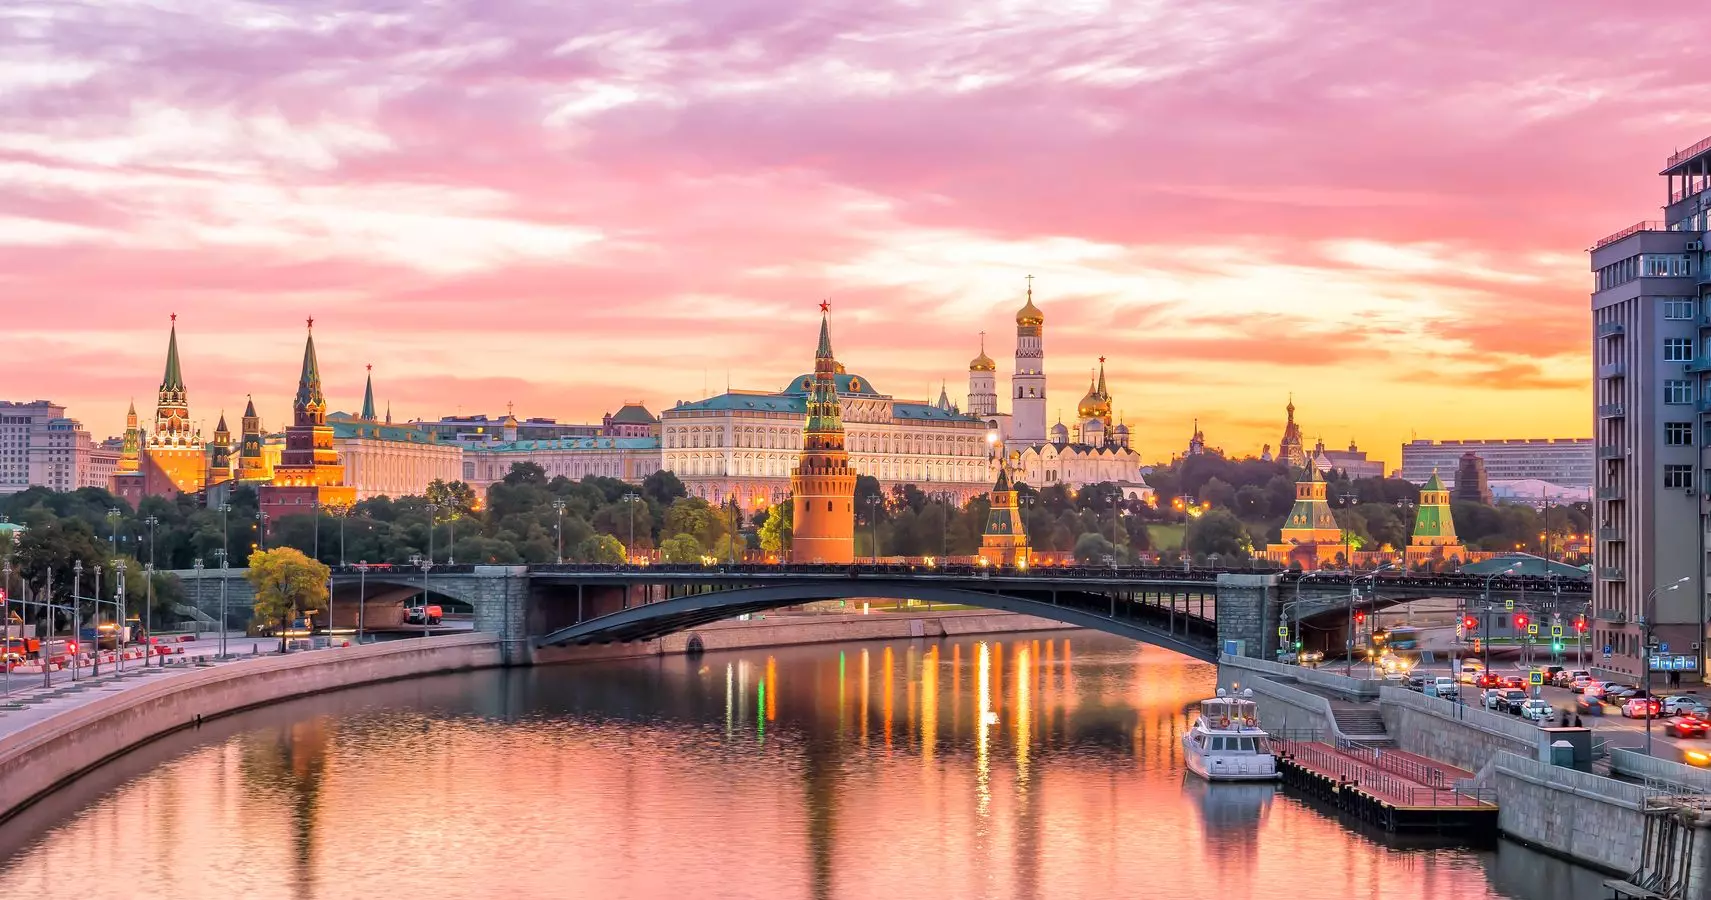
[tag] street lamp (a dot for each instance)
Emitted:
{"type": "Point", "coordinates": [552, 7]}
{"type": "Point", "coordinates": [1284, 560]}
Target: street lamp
{"type": "Point", "coordinates": [872, 502]}
{"type": "Point", "coordinates": [1485, 654]}
{"type": "Point", "coordinates": [225, 575]}
{"type": "Point", "coordinates": [261, 529]}
{"type": "Point", "coordinates": [361, 596]}
{"type": "Point", "coordinates": [1647, 616]}
{"type": "Point", "coordinates": [630, 499]}
{"type": "Point", "coordinates": [426, 564]}
{"type": "Point", "coordinates": [114, 515]}
{"type": "Point", "coordinates": [148, 602]}
{"type": "Point", "coordinates": [1349, 660]}
{"type": "Point", "coordinates": [76, 614]}
{"type": "Point", "coordinates": [118, 615]}
{"type": "Point", "coordinates": [95, 666]}
{"type": "Point", "coordinates": [558, 507]}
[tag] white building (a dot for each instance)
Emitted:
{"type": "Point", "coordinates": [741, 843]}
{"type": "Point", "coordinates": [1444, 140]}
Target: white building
{"type": "Point", "coordinates": [1564, 461]}
{"type": "Point", "coordinates": [630, 459]}
{"type": "Point", "coordinates": [40, 446]}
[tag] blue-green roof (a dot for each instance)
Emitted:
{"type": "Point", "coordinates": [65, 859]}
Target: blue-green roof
{"type": "Point", "coordinates": [1529, 565]}
{"type": "Point", "coordinates": [798, 405]}
{"type": "Point", "coordinates": [346, 427]}
{"type": "Point", "coordinates": [855, 385]}
{"type": "Point", "coordinates": [928, 411]}
{"type": "Point", "coordinates": [600, 443]}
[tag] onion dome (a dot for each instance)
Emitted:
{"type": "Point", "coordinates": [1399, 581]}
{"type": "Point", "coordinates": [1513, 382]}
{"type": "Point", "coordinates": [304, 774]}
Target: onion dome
{"type": "Point", "coordinates": [1093, 405]}
{"type": "Point", "coordinates": [1029, 316]}
{"type": "Point", "coordinates": [982, 363]}
{"type": "Point", "coordinates": [1060, 433]}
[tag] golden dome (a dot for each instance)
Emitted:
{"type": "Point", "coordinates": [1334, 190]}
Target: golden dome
{"type": "Point", "coordinates": [982, 363]}
{"type": "Point", "coordinates": [1029, 316]}
{"type": "Point", "coordinates": [1093, 406]}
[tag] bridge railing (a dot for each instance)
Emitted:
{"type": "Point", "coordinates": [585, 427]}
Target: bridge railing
{"type": "Point", "coordinates": [959, 570]}
{"type": "Point", "coordinates": [403, 569]}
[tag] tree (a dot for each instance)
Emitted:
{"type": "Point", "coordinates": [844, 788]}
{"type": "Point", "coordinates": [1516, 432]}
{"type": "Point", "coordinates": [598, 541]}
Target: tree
{"type": "Point", "coordinates": [1094, 548]}
{"type": "Point", "coordinates": [526, 473]}
{"type": "Point", "coordinates": [696, 517]}
{"type": "Point", "coordinates": [663, 488]}
{"type": "Point", "coordinates": [729, 548]}
{"type": "Point", "coordinates": [1217, 531]}
{"type": "Point", "coordinates": [455, 499]}
{"type": "Point", "coordinates": [681, 548]}
{"type": "Point", "coordinates": [600, 548]}
{"type": "Point", "coordinates": [285, 582]}
{"type": "Point", "coordinates": [775, 532]}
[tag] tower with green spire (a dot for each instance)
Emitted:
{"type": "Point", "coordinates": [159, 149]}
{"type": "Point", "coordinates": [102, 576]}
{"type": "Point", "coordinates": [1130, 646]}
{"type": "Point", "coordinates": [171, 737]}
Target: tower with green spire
{"type": "Point", "coordinates": [220, 454]}
{"type": "Point", "coordinates": [1311, 528]}
{"type": "Point", "coordinates": [310, 477]}
{"type": "Point", "coordinates": [172, 408]}
{"type": "Point", "coordinates": [823, 484]}
{"type": "Point", "coordinates": [130, 453]}
{"type": "Point", "coordinates": [252, 461]}
{"type": "Point", "coordinates": [1005, 540]}
{"type": "Point", "coordinates": [1434, 538]}
{"type": "Point", "coordinates": [368, 397]}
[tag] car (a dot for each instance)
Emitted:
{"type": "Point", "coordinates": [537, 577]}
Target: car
{"type": "Point", "coordinates": [1589, 705]}
{"type": "Point", "coordinates": [1513, 681]}
{"type": "Point", "coordinates": [1697, 710]}
{"type": "Point", "coordinates": [1537, 710]}
{"type": "Point", "coordinates": [1568, 677]}
{"type": "Point", "coordinates": [1416, 682]}
{"type": "Point", "coordinates": [1488, 680]}
{"type": "Point", "coordinates": [1696, 757]}
{"type": "Point", "coordinates": [1492, 698]}
{"type": "Point", "coordinates": [1641, 708]}
{"type": "Point", "coordinates": [1580, 683]}
{"type": "Point", "coordinates": [1551, 673]}
{"type": "Point", "coordinates": [1512, 700]}
{"type": "Point", "coordinates": [1673, 705]}
{"type": "Point", "coordinates": [1447, 688]}
{"type": "Point", "coordinates": [1687, 727]}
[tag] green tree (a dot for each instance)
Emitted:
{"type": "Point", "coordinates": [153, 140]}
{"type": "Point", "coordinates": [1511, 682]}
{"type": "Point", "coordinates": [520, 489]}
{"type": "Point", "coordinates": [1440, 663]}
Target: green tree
{"type": "Point", "coordinates": [680, 548]}
{"type": "Point", "coordinates": [663, 488]}
{"type": "Point", "coordinates": [1094, 548]}
{"type": "Point", "coordinates": [696, 517]}
{"type": "Point", "coordinates": [600, 548]}
{"type": "Point", "coordinates": [729, 548]}
{"type": "Point", "coordinates": [286, 582]}
{"type": "Point", "coordinates": [455, 499]}
{"type": "Point", "coordinates": [1217, 531]}
{"type": "Point", "coordinates": [775, 532]}
{"type": "Point", "coordinates": [526, 473]}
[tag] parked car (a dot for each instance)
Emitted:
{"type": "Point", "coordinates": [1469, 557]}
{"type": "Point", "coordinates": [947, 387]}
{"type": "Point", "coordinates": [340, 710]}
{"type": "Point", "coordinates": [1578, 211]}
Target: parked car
{"type": "Point", "coordinates": [1537, 710]}
{"type": "Point", "coordinates": [1568, 677]}
{"type": "Point", "coordinates": [1513, 700]}
{"type": "Point", "coordinates": [1641, 708]}
{"type": "Point", "coordinates": [1492, 698]}
{"type": "Point", "coordinates": [1447, 688]}
{"type": "Point", "coordinates": [1580, 684]}
{"type": "Point", "coordinates": [1416, 682]}
{"type": "Point", "coordinates": [1687, 727]}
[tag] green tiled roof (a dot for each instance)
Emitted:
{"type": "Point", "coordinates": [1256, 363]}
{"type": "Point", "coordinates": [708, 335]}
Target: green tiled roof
{"type": "Point", "coordinates": [633, 414]}
{"type": "Point", "coordinates": [601, 443]}
{"type": "Point", "coordinates": [848, 384]}
{"type": "Point", "coordinates": [798, 404]}
{"type": "Point", "coordinates": [344, 426]}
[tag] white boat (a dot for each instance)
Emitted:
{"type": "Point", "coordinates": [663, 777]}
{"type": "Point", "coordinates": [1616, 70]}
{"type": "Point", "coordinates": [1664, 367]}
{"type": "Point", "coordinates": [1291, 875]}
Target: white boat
{"type": "Point", "coordinates": [1226, 743]}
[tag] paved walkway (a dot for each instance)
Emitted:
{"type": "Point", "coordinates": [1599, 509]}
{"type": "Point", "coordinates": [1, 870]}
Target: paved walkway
{"type": "Point", "coordinates": [30, 701]}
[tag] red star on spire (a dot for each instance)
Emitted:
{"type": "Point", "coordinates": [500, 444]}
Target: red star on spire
{"type": "Point", "coordinates": [1102, 360]}
{"type": "Point", "coordinates": [175, 317]}
{"type": "Point", "coordinates": [311, 321]}
{"type": "Point", "coordinates": [825, 306]}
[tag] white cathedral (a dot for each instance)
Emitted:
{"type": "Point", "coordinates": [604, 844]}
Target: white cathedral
{"type": "Point", "coordinates": [1093, 451]}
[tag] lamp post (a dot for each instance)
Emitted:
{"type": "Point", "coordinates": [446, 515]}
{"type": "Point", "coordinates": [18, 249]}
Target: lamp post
{"type": "Point", "coordinates": [5, 583]}
{"type": "Point", "coordinates": [261, 529]}
{"type": "Point", "coordinates": [1354, 582]}
{"type": "Point", "coordinates": [1485, 655]}
{"type": "Point", "coordinates": [119, 615]}
{"type": "Point", "coordinates": [1296, 604]}
{"type": "Point", "coordinates": [1647, 618]}
{"type": "Point", "coordinates": [433, 523]}
{"type": "Point", "coordinates": [113, 516]}
{"type": "Point", "coordinates": [558, 507]}
{"type": "Point", "coordinates": [47, 676]}
{"type": "Point", "coordinates": [225, 575]}
{"type": "Point", "coordinates": [197, 565]}
{"type": "Point", "coordinates": [873, 523]}
{"type": "Point", "coordinates": [148, 602]}
{"type": "Point", "coordinates": [225, 550]}
{"type": "Point", "coordinates": [426, 564]}
{"type": "Point", "coordinates": [630, 498]}
{"type": "Point", "coordinates": [361, 596]}
{"type": "Point", "coordinates": [76, 614]}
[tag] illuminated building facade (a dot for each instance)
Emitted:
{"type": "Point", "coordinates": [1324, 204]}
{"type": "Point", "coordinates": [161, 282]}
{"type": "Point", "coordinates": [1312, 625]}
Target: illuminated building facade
{"type": "Point", "coordinates": [309, 475]}
{"type": "Point", "coordinates": [170, 458]}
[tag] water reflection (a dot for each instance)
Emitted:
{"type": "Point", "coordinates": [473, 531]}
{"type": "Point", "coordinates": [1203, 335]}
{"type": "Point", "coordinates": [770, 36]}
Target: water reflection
{"type": "Point", "coordinates": [1041, 766]}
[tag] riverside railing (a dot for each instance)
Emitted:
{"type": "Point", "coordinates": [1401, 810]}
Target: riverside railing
{"type": "Point", "coordinates": [1395, 787]}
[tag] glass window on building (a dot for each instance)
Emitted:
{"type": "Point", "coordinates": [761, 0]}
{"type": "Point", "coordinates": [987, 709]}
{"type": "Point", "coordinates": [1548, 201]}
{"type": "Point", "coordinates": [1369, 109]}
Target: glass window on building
{"type": "Point", "coordinates": [1677, 349]}
{"type": "Point", "coordinates": [1678, 309]}
{"type": "Point", "coordinates": [1677, 392]}
{"type": "Point", "coordinates": [1666, 265]}
{"type": "Point", "coordinates": [1677, 477]}
{"type": "Point", "coordinates": [1678, 434]}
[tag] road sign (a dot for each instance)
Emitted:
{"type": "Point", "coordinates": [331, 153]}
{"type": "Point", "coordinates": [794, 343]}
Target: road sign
{"type": "Point", "coordinates": [1283, 631]}
{"type": "Point", "coordinates": [1533, 629]}
{"type": "Point", "coordinates": [1606, 651]}
{"type": "Point", "coordinates": [1556, 631]}
{"type": "Point", "coordinates": [1535, 677]}
{"type": "Point", "coordinates": [1663, 648]}
{"type": "Point", "coordinates": [1508, 604]}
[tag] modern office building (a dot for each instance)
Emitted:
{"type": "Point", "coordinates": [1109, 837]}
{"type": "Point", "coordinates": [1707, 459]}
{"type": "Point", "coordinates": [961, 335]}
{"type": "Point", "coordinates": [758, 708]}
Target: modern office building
{"type": "Point", "coordinates": [1564, 461]}
{"type": "Point", "coordinates": [1650, 393]}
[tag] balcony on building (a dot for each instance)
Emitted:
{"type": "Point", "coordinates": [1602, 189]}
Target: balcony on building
{"type": "Point", "coordinates": [1611, 329]}
{"type": "Point", "coordinates": [1610, 411]}
{"type": "Point", "coordinates": [1694, 367]}
{"type": "Point", "coordinates": [1610, 534]}
{"type": "Point", "coordinates": [1705, 406]}
{"type": "Point", "coordinates": [1612, 370]}
{"type": "Point", "coordinates": [1610, 492]}
{"type": "Point", "coordinates": [1612, 573]}
{"type": "Point", "coordinates": [1607, 614]}
{"type": "Point", "coordinates": [1608, 452]}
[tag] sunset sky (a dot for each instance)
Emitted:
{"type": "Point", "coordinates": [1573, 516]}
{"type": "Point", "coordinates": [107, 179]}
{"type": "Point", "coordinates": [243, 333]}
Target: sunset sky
{"type": "Point", "coordinates": [1382, 207]}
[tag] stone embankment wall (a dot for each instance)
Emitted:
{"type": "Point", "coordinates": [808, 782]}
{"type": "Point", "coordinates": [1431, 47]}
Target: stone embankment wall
{"type": "Point", "coordinates": [1460, 734]}
{"type": "Point", "coordinates": [47, 754]}
{"type": "Point", "coordinates": [1284, 708]}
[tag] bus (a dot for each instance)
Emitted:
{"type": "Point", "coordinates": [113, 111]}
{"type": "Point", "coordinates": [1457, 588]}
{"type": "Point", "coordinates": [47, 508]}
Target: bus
{"type": "Point", "coordinates": [1402, 639]}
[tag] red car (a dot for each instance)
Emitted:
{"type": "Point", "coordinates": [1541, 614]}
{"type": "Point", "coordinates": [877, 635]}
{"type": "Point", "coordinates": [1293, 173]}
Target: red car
{"type": "Point", "coordinates": [1687, 727]}
{"type": "Point", "coordinates": [1487, 680]}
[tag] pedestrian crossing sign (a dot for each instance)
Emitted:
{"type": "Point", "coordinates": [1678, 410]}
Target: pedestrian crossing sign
{"type": "Point", "coordinates": [1508, 604]}
{"type": "Point", "coordinates": [1533, 629]}
{"type": "Point", "coordinates": [1556, 631]}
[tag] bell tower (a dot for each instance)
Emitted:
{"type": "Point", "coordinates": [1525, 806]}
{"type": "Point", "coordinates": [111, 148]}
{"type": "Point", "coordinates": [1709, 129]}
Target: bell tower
{"type": "Point", "coordinates": [1028, 384]}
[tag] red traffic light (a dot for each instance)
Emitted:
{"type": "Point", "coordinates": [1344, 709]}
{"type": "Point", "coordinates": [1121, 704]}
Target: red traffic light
{"type": "Point", "coordinates": [1469, 622]}
{"type": "Point", "coordinates": [1520, 621]}
{"type": "Point", "coordinates": [1580, 624]}
{"type": "Point", "coordinates": [1360, 618]}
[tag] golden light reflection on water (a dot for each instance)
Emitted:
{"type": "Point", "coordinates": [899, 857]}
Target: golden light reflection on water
{"type": "Point", "coordinates": [741, 775]}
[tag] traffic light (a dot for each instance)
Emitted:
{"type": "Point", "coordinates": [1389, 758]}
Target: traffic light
{"type": "Point", "coordinates": [1469, 623]}
{"type": "Point", "coordinates": [1520, 622]}
{"type": "Point", "coordinates": [1297, 645]}
{"type": "Point", "coordinates": [1360, 618]}
{"type": "Point", "coordinates": [1580, 623]}
{"type": "Point", "coordinates": [1556, 646]}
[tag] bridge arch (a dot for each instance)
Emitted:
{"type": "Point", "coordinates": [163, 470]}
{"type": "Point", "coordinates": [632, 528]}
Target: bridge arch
{"type": "Point", "coordinates": [1182, 632]}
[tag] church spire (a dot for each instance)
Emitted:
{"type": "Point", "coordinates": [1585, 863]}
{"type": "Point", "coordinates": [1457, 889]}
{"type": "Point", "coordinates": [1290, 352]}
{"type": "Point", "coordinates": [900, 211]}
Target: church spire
{"type": "Point", "coordinates": [368, 397]}
{"type": "Point", "coordinates": [173, 380]}
{"type": "Point", "coordinates": [1103, 394]}
{"type": "Point", "coordinates": [825, 349]}
{"type": "Point", "coordinates": [309, 398]}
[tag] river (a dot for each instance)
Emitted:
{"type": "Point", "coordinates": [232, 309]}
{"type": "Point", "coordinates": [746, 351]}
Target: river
{"type": "Point", "coordinates": [1038, 766]}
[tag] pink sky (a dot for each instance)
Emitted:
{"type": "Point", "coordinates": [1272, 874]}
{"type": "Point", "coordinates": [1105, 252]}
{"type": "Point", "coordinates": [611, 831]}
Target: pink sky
{"type": "Point", "coordinates": [1383, 208]}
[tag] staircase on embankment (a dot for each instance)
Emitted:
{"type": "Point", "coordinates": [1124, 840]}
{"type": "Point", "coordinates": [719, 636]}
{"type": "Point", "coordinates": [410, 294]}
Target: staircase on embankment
{"type": "Point", "coordinates": [1362, 722]}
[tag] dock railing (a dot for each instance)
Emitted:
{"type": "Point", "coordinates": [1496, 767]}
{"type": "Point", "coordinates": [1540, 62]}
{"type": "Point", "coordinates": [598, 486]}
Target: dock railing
{"type": "Point", "coordinates": [1353, 768]}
